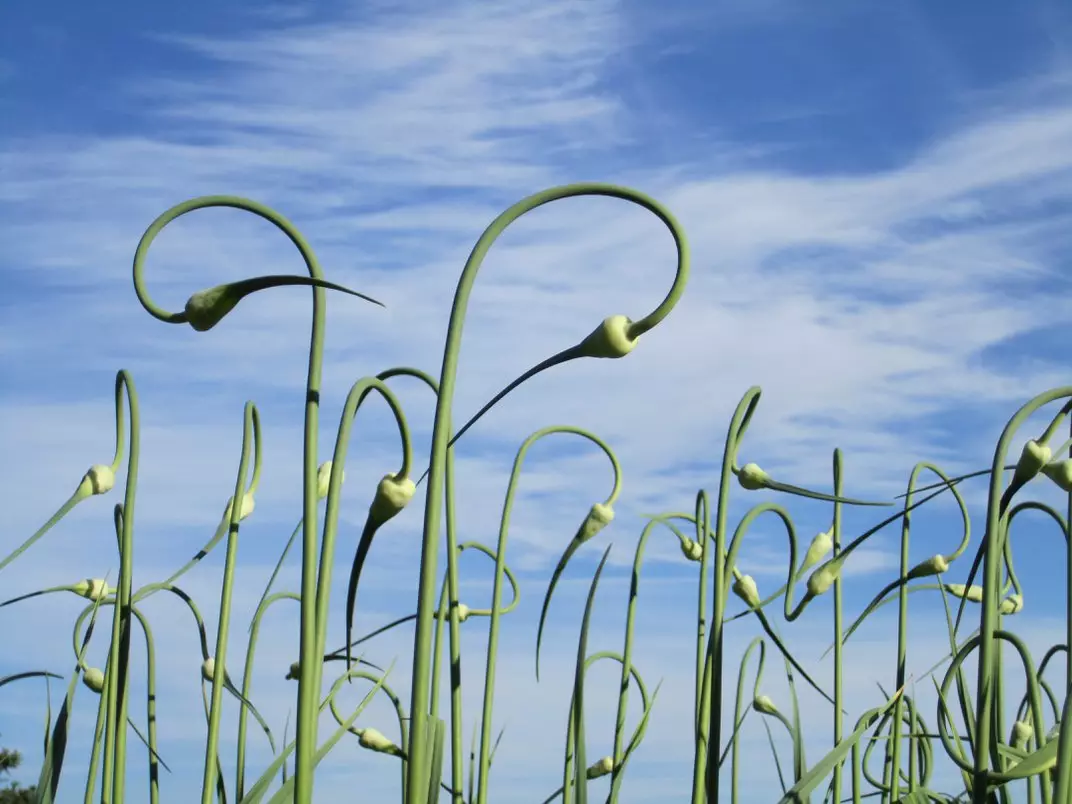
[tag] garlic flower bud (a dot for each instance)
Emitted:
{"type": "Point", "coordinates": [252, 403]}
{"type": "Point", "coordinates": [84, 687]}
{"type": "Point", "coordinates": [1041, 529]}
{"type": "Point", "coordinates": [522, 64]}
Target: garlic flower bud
{"type": "Point", "coordinates": [1060, 472]}
{"type": "Point", "coordinates": [206, 308]}
{"type": "Point", "coordinates": [323, 479]}
{"type": "Point", "coordinates": [822, 544]}
{"type": "Point", "coordinates": [609, 339]}
{"type": "Point", "coordinates": [753, 478]}
{"type": "Point", "coordinates": [208, 669]}
{"type": "Point", "coordinates": [294, 672]}
{"type": "Point", "coordinates": [935, 565]}
{"type": "Point", "coordinates": [392, 495]}
{"type": "Point", "coordinates": [92, 589]}
{"type": "Point", "coordinates": [1033, 458]}
{"type": "Point", "coordinates": [100, 479]}
{"type": "Point", "coordinates": [375, 741]}
{"type": "Point", "coordinates": [974, 593]}
{"type": "Point", "coordinates": [599, 516]}
{"type": "Point", "coordinates": [93, 677]}
{"type": "Point", "coordinates": [764, 705]}
{"type": "Point", "coordinates": [600, 768]}
{"type": "Point", "coordinates": [1013, 604]}
{"type": "Point", "coordinates": [1021, 733]}
{"type": "Point", "coordinates": [463, 613]}
{"type": "Point", "coordinates": [246, 509]}
{"type": "Point", "coordinates": [693, 551]}
{"type": "Point", "coordinates": [822, 579]}
{"type": "Point", "coordinates": [745, 588]}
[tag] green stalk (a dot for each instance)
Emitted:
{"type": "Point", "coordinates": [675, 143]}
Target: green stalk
{"type": "Point", "coordinates": [708, 740]}
{"type": "Point", "coordinates": [203, 311]}
{"type": "Point", "coordinates": [121, 615]}
{"type": "Point", "coordinates": [593, 346]}
{"type": "Point", "coordinates": [223, 626]}
{"type": "Point", "coordinates": [838, 606]}
{"type": "Point", "coordinates": [251, 647]}
{"type": "Point", "coordinates": [992, 553]}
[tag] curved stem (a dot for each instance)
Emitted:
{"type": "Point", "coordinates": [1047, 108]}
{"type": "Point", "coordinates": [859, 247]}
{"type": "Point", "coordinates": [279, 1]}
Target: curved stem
{"type": "Point", "coordinates": [247, 673]}
{"type": "Point", "coordinates": [421, 681]}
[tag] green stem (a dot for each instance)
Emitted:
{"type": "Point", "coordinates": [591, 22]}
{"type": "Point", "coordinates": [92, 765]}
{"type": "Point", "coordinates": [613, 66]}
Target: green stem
{"type": "Point", "coordinates": [421, 681]}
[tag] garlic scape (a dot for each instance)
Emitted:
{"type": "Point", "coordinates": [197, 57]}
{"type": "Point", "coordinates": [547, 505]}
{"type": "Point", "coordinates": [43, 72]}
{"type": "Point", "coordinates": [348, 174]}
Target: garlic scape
{"type": "Point", "coordinates": [92, 589]}
{"type": "Point", "coordinates": [599, 516]}
{"type": "Point", "coordinates": [610, 339]}
{"type": "Point", "coordinates": [206, 308]}
{"type": "Point", "coordinates": [99, 479]}
{"type": "Point", "coordinates": [208, 670]}
{"type": "Point", "coordinates": [392, 495]}
{"type": "Point", "coordinates": [753, 478]}
{"type": "Point", "coordinates": [323, 477]}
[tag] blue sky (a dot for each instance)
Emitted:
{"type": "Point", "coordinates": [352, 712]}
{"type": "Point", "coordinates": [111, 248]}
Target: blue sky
{"type": "Point", "coordinates": [877, 200]}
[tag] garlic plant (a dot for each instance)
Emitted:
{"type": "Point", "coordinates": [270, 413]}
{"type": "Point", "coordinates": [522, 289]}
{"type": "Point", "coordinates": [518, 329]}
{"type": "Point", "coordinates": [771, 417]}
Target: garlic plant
{"type": "Point", "coordinates": [1029, 758]}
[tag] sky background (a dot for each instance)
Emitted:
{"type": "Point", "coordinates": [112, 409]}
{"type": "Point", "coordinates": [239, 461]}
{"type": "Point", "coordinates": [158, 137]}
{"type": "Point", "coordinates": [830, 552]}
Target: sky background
{"type": "Point", "coordinates": [877, 199]}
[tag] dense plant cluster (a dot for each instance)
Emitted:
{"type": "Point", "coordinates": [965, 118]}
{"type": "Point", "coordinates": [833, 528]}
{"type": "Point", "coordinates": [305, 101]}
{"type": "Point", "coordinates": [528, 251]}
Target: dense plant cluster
{"type": "Point", "coordinates": [996, 760]}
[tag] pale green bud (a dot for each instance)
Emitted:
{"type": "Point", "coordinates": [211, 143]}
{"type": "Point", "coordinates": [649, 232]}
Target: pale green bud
{"type": "Point", "coordinates": [693, 551]}
{"type": "Point", "coordinates": [1021, 732]}
{"type": "Point", "coordinates": [1013, 604]}
{"type": "Point", "coordinates": [822, 544]}
{"type": "Point", "coordinates": [247, 507]}
{"type": "Point", "coordinates": [609, 339]}
{"type": "Point", "coordinates": [208, 669]}
{"type": "Point", "coordinates": [463, 613]}
{"type": "Point", "coordinates": [745, 588]}
{"type": "Point", "coordinates": [206, 308]}
{"type": "Point", "coordinates": [753, 478]}
{"type": "Point", "coordinates": [764, 705]}
{"type": "Point", "coordinates": [600, 768]}
{"type": "Point", "coordinates": [822, 579]}
{"type": "Point", "coordinates": [1032, 458]}
{"type": "Point", "coordinates": [974, 593]}
{"type": "Point", "coordinates": [935, 565]}
{"type": "Point", "coordinates": [92, 589]}
{"type": "Point", "coordinates": [599, 516]}
{"type": "Point", "coordinates": [93, 677]}
{"type": "Point", "coordinates": [392, 495]}
{"type": "Point", "coordinates": [375, 741]}
{"type": "Point", "coordinates": [323, 479]}
{"type": "Point", "coordinates": [1060, 472]}
{"type": "Point", "coordinates": [100, 479]}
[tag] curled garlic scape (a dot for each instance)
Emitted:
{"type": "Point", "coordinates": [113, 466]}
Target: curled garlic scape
{"type": "Point", "coordinates": [753, 478]}
{"type": "Point", "coordinates": [206, 308]}
{"type": "Point", "coordinates": [599, 516]}
{"type": "Point", "coordinates": [393, 494]}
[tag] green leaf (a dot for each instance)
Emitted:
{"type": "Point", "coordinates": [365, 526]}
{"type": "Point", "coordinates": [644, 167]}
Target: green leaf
{"type": "Point", "coordinates": [824, 766]}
